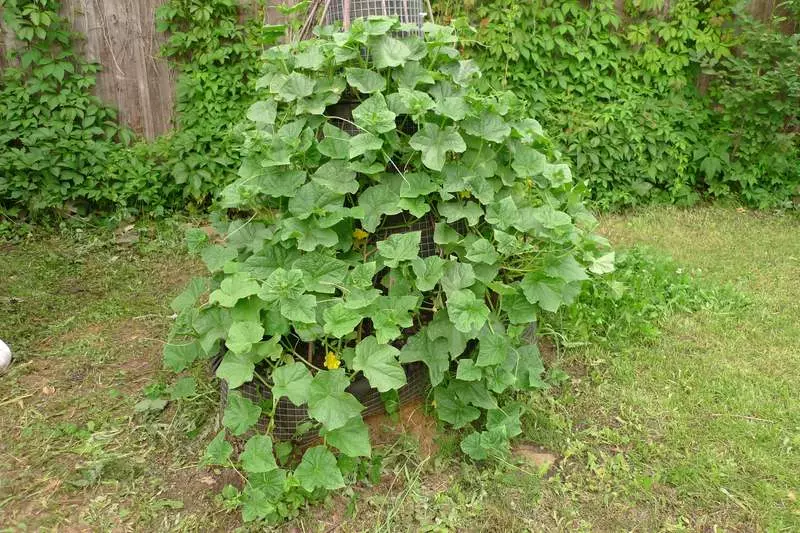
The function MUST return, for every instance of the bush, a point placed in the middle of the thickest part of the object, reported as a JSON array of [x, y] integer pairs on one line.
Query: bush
[[386, 212]]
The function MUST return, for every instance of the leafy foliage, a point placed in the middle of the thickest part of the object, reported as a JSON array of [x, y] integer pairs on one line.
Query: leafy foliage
[[625, 96], [325, 270]]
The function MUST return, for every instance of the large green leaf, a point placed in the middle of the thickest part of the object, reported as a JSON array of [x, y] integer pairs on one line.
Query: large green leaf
[[178, 357], [234, 288], [318, 469], [489, 126], [452, 410], [567, 269], [412, 74], [428, 272], [336, 176], [468, 371], [433, 352], [328, 402], [340, 320], [454, 211], [493, 350], [435, 142], [528, 162], [457, 276], [466, 311], [263, 112], [191, 294], [482, 251], [257, 456], [240, 413], [389, 52], [519, 309], [293, 381], [416, 184], [400, 247], [236, 369], [379, 364], [300, 308], [321, 272], [296, 86], [366, 81], [282, 284], [315, 199], [376, 201], [218, 451], [374, 116], [336, 143], [352, 439], [243, 335], [453, 107], [539, 289]]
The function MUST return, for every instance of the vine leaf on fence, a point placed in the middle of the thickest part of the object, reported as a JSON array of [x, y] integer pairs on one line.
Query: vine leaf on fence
[[218, 451], [328, 402], [379, 364], [234, 288], [467, 312], [293, 381], [257, 456], [236, 369], [352, 439], [243, 335], [340, 320], [240, 413], [318, 469], [433, 352], [374, 115], [400, 247], [366, 81], [452, 410], [435, 143]]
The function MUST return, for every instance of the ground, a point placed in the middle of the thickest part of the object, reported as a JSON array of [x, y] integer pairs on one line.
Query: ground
[[698, 429]]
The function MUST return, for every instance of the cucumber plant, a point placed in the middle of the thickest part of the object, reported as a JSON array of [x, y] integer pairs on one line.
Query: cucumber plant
[[319, 277]]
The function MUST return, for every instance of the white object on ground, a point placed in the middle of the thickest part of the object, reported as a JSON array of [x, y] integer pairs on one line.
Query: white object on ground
[[5, 356]]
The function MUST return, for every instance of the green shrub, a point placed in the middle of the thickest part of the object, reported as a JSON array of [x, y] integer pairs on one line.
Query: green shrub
[[620, 97], [319, 277]]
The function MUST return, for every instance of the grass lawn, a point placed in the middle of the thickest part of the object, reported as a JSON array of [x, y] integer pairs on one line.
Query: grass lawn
[[698, 429]]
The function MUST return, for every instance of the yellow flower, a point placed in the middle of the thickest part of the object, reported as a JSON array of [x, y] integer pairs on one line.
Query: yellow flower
[[359, 234], [464, 195], [332, 362]]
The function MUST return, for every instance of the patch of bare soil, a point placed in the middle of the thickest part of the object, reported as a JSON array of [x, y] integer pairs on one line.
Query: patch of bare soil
[[411, 420]]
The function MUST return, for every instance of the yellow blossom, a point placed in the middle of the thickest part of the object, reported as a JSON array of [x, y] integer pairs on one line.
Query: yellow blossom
[[332, 362], [464, 195], [359, 234]]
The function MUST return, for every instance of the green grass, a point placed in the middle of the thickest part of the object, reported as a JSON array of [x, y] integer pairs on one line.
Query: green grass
[[693, 428]]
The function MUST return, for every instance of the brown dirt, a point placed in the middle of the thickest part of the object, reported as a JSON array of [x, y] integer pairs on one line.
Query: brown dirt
[[535, 456], [411, 420]]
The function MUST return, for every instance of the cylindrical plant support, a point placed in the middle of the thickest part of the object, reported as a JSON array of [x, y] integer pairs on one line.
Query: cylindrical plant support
[[346, 11]]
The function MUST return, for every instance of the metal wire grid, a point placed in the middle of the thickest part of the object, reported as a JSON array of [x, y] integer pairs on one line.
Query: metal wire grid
[[289, 417], [408, 11]]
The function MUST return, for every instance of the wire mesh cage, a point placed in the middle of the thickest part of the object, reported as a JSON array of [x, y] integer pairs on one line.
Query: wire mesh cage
[[292, 422], [408, 11]]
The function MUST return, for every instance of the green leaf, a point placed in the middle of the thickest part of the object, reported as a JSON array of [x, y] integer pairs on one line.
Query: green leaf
[[466, 311], [362, 143], [376, 201], [567, 269], [452, 107], [435, 142], [472, 446], [256, 505], [314, 199], [178, 357], [196, 240], [482, 251], [507, 418], [295, 87], [473, 393], [328, 402], [257, 456], [551, 218], [492, 443], [263, 112], [428, 272], [374, 116], [379, 364], [441, 328], [457, 276], [240, 413], [412, 74], [558, 175], [455, 211], [185, 387], [359, 298], [519, 309], [272, 484], [215, 257], [218, 451], [282, 284], [416, 184], [318, 469], [362, 274], [336, 143], [528, 162], [603, 264], [243, 335], [336, 176], [410, 102], [300, 308], [192, 293], [503, 214], [352, 439], [547, 292], [389, 52], [400, 247], [366, 81], [234, 288], [530, 368], [236, 369], [340, 321], [452, 410], [493, 349], [489, 126], [293, 381], [433, 352], [444, 234], [321, 272], [312, 58], [468, 371]]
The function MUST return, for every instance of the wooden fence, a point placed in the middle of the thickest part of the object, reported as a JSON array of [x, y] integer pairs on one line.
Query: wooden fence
[[121, 36]]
